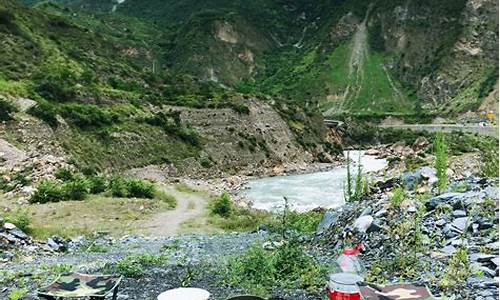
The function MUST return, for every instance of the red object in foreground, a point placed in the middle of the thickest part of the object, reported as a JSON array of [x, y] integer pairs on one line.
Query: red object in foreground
[[343, 296], [343, 286]]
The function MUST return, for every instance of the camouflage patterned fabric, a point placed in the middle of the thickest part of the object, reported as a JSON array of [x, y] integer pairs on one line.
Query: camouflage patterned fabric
[[395, 292], [77, 285]]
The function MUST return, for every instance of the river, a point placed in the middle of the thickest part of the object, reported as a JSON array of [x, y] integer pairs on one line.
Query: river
[[308, 191]]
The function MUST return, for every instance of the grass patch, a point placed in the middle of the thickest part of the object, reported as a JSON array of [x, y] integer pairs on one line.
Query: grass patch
[[117, 216], [224, 214], [20, 218], [457, 271], [133, 266], [260, 271]]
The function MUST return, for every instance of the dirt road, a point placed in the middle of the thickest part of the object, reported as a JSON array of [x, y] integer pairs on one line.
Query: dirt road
[[190, 206]]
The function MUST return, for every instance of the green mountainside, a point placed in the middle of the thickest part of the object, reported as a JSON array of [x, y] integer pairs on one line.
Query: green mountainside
[[102, 68], [105, 97], [346, 57]]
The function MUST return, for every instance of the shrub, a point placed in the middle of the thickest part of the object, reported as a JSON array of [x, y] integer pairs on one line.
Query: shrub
[[21, 219], [6, 110], [261, 271], [64, 174], [48, 191], [133, 266], [56, 82], [53, 191], [87, 116], [132, 188], [45, 111], [76, 189], [441, 161], [170, 123], [118, 187], [398, 196], [140, 189], [457, 271], [97, 184], [222, 205], [490, 159], [17, 294]]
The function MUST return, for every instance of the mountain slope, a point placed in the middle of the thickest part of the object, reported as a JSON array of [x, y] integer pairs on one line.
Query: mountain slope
[[362, 57], [105, 100]]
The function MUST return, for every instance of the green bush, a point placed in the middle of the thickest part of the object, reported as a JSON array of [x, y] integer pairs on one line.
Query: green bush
[[131, 188], [118, 187], [76, 189], [53, 191], [56, 82], [490, 159], [140, 189], [45, 111], [441, 161], [97, 184], [133, 266], [48, 191], [398, 196], [87, 116], [222, 205], [6, 110], [64, 174], [287, 266], [170, 123], [20, 218]]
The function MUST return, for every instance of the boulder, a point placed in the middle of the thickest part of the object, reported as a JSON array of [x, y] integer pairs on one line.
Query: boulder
[[459, 214], [329, 220], [18, 233], [363, 223], [9, 226], [461, 223]]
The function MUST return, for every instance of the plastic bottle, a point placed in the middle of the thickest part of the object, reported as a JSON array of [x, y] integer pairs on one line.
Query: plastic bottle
[[349, 262]]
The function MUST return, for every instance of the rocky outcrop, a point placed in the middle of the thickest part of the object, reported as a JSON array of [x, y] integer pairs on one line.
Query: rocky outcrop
[[238, 142], [416, 241]]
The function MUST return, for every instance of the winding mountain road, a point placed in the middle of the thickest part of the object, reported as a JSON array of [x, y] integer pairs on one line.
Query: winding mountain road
[[472, 128]]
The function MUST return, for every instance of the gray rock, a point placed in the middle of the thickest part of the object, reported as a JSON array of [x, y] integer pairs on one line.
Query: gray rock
[[448, 250], [492, 246], [8, 237], [411, 180], [329, 220], [457, 242], [459, 214], [461, 223], [9, 226], [488, 272], [481, 257], [57, 244], [440, 222], [448, 198], [491, 192], [495, 260], [482, 282], [429, 174], [381, 213], [363, 223], [367, 211], [19, 234]]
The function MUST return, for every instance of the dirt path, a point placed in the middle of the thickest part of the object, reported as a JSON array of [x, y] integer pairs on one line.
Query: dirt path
[[190, 206]]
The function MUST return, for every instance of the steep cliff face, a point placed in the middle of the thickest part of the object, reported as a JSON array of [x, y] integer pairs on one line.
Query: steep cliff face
[[447, 51]]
